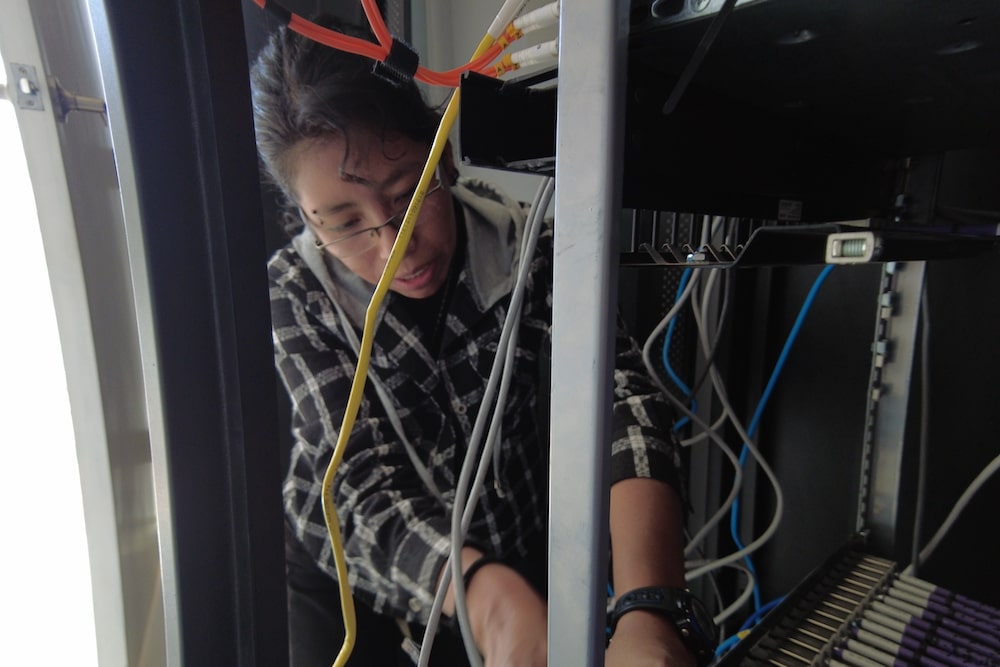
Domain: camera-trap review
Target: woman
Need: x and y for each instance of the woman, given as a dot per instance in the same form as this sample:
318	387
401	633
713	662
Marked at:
347	149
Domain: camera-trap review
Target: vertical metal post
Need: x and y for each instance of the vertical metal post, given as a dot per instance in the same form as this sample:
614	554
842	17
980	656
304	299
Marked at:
589	131
888	394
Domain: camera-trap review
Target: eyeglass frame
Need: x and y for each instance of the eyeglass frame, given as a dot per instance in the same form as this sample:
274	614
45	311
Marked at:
396	220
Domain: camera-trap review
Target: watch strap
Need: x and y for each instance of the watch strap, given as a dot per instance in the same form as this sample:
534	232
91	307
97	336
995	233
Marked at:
653	598
678	606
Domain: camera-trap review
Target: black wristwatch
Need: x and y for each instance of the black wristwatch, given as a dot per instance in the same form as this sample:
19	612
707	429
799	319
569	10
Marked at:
684	610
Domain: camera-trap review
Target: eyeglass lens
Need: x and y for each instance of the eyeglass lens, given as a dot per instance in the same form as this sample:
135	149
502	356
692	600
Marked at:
360	241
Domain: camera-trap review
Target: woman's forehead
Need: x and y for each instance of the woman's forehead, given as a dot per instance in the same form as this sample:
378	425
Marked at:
364	157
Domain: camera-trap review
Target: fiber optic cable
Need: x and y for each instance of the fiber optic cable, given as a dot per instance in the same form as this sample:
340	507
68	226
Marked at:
396	255
357	387
380	51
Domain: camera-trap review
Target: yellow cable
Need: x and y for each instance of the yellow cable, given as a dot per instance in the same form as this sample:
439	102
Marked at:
364	356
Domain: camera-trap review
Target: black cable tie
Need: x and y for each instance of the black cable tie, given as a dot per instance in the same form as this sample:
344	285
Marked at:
400	65
277	11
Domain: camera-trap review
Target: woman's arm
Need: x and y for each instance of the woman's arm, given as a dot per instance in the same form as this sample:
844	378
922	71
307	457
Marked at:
646	513
507	615
648	550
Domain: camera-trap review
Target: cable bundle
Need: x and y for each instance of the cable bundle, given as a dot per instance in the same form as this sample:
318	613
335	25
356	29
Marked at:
398	59
700	291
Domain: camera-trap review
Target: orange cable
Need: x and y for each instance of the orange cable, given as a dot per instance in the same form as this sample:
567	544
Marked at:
377	23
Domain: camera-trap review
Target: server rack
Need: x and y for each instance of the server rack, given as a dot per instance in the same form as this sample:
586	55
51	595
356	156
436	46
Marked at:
911	107
592	73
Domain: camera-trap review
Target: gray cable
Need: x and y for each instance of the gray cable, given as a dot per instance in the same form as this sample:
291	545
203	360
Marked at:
952	517
462	512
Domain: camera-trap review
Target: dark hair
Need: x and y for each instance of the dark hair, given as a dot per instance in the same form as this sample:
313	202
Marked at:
305	90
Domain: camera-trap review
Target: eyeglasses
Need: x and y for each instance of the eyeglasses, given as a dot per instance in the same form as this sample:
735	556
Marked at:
350	243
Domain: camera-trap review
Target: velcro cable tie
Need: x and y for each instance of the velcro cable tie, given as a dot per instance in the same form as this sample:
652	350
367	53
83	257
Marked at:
400	65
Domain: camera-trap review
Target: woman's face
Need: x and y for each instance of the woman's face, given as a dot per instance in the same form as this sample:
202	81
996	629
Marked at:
375	183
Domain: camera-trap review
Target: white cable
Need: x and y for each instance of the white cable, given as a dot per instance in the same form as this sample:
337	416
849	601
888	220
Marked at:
709	431
740	601
734	491
723	398
703	435
960	504
539	18
752	448
508	12
532	229
647	348
539	54
745	595
712	432
504	347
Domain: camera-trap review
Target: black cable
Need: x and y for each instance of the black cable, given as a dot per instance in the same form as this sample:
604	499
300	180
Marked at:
918	513
698	56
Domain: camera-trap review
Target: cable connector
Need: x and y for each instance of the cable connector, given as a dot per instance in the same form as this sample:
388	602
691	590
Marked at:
539	18
853	248
509	35
540	54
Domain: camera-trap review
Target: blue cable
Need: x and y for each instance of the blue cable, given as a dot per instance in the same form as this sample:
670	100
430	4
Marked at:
685	277
752	620
734	514
759	614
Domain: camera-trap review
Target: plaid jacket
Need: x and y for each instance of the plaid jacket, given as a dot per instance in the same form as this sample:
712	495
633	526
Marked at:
396	531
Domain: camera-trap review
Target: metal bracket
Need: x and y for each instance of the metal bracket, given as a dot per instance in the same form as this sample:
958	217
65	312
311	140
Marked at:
65	102
893	349
24	81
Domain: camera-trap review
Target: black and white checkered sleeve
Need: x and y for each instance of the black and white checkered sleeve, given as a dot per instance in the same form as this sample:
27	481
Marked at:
395	533
643	444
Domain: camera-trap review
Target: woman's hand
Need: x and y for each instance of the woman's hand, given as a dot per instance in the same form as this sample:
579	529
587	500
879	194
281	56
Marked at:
509	618
647	639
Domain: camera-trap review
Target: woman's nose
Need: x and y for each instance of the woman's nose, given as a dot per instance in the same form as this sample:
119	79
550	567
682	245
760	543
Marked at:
387	238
